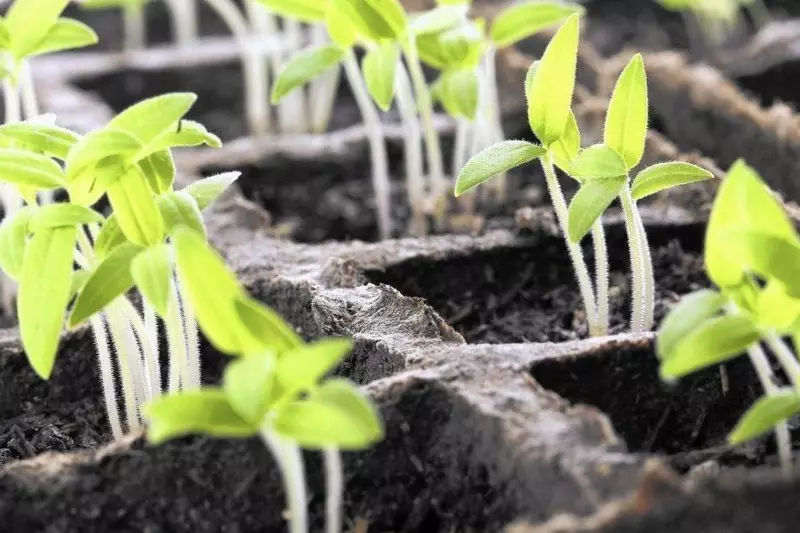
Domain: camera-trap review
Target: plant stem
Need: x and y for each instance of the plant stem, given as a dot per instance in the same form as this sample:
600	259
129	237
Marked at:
490	108
258	112
637	259
575	252
374	130
151	329
184	21
134	30
176	342
106	374
147	350
116	325
412	138
601	274
323	90
785	356
648	316
290	462
292	112
29	102
440	187
334	489
192	338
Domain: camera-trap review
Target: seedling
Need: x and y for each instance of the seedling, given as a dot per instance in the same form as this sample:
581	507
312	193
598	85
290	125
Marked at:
751	254
716	17
276	390
602	170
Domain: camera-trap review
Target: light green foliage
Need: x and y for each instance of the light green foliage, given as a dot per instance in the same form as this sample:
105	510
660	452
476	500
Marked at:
458	91
598	161
692	311
13	240
379	67
566	149
266	325
441	18
658	177
44	139
304	67
151	271
206	190
765	414
303	10
626	121
58	215
22	168
249	384
497	158
591	200
525	19
550	91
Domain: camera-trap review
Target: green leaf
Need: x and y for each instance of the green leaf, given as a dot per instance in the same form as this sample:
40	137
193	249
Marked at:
109	238
340	29
552	84
375	19
159	170
206	190
180	209
61	215
302	368
97	146
151	118
764	415
303	67
598	161
773	258
212	290
568	146
29	21
690	313
590	202
459	93
302	10
45	139
338	414
626	119
26	169
267	326
152	273
715	341
186	134
497	158
438	19
525	19
205	411
79	279
248	384
65	34
775	308
5	35
667	175
743	202
379	67
45	281
136	209
13	241
111	278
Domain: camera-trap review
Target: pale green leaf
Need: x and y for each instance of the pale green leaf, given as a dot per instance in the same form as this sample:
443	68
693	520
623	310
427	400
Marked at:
303	67
45	139
773	258
379	67
13	241
438	19
248	384
302	10
568	146
690	313
151	118
267	326
590	202
186	134
524	19
775	308
180	209
206	190
65	34
598	161
29	21
662	176
152	273
459	93
44	293
497	158
626	120
158	169
302	368
60	215
764	415
136	209
98	146
341	30
26	169
110	237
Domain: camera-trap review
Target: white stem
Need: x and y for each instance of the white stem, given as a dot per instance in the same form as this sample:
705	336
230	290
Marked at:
334	481
439	183
106	374
637	259
601	274
9	196
290	462
134	28
184	21
192	338
176	341
324	89
292	112
11	98
30	104
649	289
258	112
412	138
151	327
147	336
472	140
785	357
575	251
490	108
380	161
117	326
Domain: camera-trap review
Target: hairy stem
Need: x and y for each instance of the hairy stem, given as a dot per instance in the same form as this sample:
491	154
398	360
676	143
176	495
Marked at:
290	462
374	128
151	331
134	28
176	342
649	289
322	90
184	21
412	138
192	338
490	109
637	259
575	252
601	274
106	374
785	357
292	112
334	489
30	104
147	349
117	326
258	112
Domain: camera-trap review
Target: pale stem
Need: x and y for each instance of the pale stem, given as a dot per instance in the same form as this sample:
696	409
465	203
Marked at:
785	356
151	328
334	482
574	249
106	374
472	138
134	29
637	259
439	184
258	113
191	336
292	112
116	325
184	21
490	107
30	104
412	139
374	130
147	348
649	278
759	12
323	90
290	462
176	341
601	274
462	140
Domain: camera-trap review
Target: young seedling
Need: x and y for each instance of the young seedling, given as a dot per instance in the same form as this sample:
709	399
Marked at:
715	17
751	254
604	171
276	390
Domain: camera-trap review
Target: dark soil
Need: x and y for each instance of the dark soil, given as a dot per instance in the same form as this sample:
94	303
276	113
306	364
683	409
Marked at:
529	293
